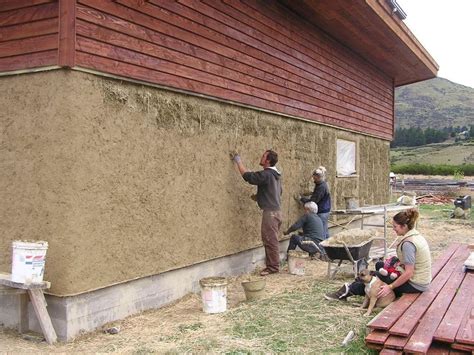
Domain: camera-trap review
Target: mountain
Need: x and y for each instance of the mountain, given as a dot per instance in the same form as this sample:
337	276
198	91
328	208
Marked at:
434	103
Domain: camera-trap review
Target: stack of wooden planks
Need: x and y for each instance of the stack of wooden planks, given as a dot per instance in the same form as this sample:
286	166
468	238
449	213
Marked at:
439	320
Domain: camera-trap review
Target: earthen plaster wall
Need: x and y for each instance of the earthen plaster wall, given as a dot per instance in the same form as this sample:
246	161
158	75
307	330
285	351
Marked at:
125	180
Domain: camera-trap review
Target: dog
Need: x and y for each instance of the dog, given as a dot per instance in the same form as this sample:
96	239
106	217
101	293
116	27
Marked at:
372	287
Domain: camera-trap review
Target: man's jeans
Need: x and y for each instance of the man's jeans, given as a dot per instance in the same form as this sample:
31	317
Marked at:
324	218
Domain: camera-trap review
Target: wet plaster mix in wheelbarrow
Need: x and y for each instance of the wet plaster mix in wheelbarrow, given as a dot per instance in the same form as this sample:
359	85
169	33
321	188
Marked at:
358	242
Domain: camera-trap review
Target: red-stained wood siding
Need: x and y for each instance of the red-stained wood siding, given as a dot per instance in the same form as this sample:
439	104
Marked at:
252	52
28	34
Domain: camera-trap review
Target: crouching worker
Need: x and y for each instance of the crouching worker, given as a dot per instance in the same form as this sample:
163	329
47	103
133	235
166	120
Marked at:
313	231
413	252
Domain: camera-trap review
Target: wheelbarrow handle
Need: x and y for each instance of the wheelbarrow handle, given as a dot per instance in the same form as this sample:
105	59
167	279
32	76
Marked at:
348	252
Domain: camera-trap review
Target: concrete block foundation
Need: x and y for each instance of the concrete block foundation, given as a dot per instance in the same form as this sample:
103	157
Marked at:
86	312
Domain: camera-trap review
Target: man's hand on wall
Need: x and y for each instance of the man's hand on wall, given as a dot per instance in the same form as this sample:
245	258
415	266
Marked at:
235	157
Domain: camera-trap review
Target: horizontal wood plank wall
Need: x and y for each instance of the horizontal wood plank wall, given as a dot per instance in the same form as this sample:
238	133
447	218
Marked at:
251	52
28	34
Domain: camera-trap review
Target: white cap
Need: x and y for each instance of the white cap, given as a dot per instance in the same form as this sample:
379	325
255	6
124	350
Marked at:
392	174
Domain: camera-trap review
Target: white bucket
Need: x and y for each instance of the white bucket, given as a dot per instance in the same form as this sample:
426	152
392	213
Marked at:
352	203
214	294
297	262
28	260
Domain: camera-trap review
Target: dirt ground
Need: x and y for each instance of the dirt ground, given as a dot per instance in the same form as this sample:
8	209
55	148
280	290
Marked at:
183	327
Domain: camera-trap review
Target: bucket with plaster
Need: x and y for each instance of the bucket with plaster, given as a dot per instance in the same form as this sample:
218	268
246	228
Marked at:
214	294
28	259
297	262
254	289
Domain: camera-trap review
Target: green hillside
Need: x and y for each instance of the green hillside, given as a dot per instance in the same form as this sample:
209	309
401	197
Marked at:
435	103
441	153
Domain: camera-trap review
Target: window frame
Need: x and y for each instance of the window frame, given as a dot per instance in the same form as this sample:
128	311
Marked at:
355	157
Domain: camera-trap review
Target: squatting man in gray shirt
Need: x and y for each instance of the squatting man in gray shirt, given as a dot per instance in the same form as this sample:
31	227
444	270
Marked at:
313	231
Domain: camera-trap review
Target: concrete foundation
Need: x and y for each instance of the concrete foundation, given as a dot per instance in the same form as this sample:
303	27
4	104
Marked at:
74	315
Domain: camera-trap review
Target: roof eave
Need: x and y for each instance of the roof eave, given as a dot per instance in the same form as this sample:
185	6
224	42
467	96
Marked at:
375	32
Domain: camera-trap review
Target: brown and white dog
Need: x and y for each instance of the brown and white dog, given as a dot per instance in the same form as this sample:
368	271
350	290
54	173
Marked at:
372	287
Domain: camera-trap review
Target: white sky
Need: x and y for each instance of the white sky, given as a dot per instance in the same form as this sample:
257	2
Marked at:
446	29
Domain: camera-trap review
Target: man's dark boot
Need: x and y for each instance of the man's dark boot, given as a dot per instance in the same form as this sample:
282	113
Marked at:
339	295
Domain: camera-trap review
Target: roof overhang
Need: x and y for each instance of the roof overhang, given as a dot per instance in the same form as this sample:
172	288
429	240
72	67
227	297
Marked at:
373	29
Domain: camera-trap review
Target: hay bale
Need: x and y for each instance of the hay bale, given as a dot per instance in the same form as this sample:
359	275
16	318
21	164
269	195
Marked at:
351	237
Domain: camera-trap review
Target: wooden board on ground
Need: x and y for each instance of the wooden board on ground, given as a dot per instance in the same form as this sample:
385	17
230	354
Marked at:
396	342
422	337
377	337
409	320
445	311
465	333
385	319
443	349
463	347
386	351
451	322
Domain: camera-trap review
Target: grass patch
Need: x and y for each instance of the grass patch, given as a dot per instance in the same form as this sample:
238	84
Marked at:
436	212
183	328
437	154
301	321
441	213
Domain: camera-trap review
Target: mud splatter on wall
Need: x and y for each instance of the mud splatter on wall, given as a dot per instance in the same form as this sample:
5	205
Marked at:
125	180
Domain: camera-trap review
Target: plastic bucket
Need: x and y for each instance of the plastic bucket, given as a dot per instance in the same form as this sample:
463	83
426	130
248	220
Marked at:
297	262
28	259
214	294
254	289
352	203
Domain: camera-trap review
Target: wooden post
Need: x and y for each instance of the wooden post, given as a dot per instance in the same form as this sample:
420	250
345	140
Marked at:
67	33
23	325
39	304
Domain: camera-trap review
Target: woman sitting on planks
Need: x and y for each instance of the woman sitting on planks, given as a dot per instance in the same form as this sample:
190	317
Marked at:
413	252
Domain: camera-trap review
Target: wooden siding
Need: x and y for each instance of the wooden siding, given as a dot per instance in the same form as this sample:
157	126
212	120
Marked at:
252	52
28	34
255	53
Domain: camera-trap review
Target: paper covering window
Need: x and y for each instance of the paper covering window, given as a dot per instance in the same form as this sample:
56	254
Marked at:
346	158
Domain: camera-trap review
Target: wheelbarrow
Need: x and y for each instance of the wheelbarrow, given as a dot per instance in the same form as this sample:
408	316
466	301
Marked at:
357	255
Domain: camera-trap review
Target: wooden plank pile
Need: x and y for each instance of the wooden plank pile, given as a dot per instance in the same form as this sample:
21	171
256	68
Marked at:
434	200
439	320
